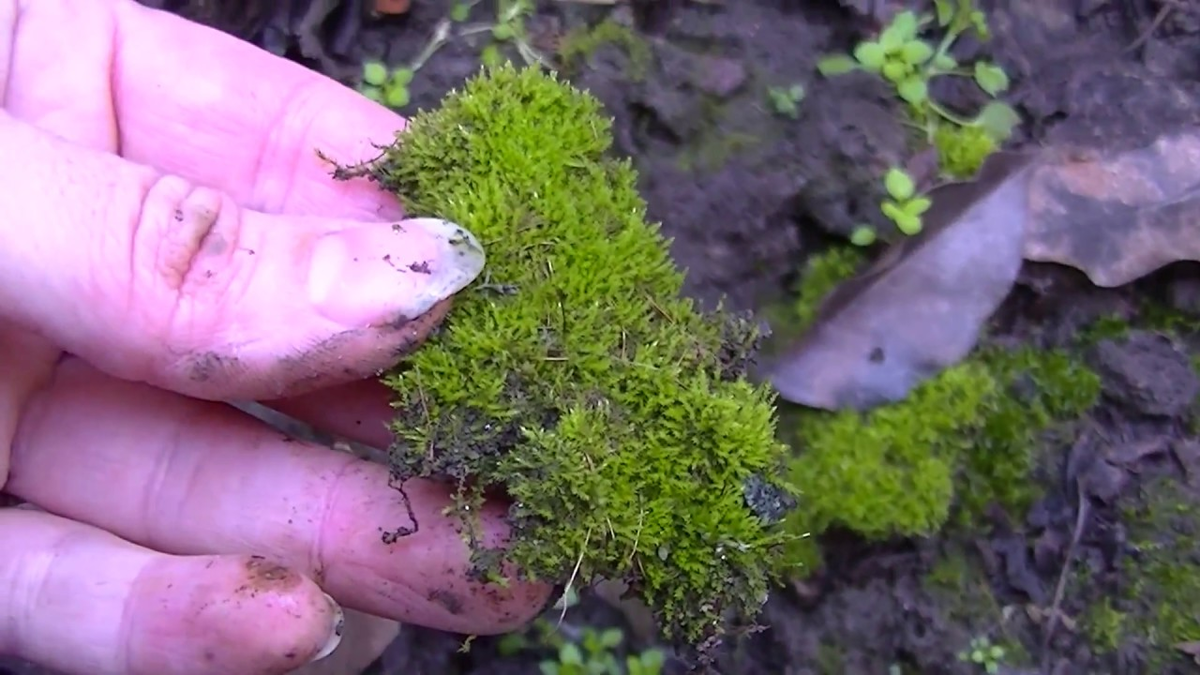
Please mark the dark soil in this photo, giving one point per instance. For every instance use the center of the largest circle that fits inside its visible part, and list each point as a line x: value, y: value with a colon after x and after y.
x: 748, y: 193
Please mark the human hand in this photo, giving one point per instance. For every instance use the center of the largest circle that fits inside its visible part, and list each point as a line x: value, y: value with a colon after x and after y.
x: 170, y: 241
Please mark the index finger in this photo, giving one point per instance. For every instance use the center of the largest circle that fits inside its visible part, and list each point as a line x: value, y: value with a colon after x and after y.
x: 192, y: 101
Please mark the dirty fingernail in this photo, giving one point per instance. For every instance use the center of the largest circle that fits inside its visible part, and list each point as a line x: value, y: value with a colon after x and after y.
x: 383, y: 273
x: 338, y: 621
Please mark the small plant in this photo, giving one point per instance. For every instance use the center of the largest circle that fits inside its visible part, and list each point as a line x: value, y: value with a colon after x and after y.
x: 509, y: 28
x: 593, y: 655
x: 391, y: 86
x: 786, y: 100
x: 902, y: 57
x: 984, y: 654
x: 579, y: 651
x: 909, y: 62
x: 904, y: 206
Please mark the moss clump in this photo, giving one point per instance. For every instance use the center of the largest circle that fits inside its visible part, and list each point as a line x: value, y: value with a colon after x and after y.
x: 962, y: 149
x: 580, y: 44
x: 577, y: 378
x: 961, y: 442
x: 1155, y: 607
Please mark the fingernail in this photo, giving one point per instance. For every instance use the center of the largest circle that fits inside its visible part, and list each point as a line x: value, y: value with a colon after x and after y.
x: 335, y: 635
x: 376, y: 274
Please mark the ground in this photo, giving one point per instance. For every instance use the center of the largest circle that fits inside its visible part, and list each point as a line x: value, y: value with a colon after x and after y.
x: 1095, y: 572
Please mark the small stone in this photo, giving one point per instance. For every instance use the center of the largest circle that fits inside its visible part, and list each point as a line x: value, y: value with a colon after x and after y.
x: 1184, y: 295
x: 1146, y: 373
x: 720, y: 77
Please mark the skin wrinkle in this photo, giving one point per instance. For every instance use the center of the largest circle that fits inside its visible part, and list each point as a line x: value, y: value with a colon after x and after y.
x: 10, y: 15
x: 263, y: 194
x: 318, y: 561
x: 163, y: 482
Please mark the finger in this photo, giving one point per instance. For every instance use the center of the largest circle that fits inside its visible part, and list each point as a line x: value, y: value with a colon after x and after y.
x: 364, y: 639
x: 220, y: 112
x: 80, y: 600
x: 185, y: 476
x: 37, y: 361
x: 358, y: 411
x: 157, y: 280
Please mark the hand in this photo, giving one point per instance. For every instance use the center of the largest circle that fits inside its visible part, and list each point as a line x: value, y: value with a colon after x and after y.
x: 169, y: 241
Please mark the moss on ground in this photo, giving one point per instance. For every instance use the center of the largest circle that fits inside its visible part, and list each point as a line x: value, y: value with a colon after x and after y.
x: 962, y: 441
x: 580, y: 44
x: 576, y: 377
x: 1155, y: 610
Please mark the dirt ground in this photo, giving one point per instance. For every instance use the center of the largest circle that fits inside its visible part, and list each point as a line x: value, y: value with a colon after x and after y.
x: 1097, y: 576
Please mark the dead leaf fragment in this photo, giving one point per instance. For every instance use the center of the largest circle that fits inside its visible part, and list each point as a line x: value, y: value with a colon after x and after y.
x: 1191, y: 648
x: 1117, y: 216
x: 920, y: 308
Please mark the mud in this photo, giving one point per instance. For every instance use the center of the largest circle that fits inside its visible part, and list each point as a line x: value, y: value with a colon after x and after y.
x: 747, y: 192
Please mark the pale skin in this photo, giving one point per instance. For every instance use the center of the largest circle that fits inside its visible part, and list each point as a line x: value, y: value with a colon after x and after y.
x: 169, y: 240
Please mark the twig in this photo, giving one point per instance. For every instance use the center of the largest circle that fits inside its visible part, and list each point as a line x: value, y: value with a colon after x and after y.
x: 1159, y: 18
x: 1055, y: 607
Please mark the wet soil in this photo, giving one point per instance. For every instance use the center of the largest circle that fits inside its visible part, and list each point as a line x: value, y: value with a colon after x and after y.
x: 747, y: 192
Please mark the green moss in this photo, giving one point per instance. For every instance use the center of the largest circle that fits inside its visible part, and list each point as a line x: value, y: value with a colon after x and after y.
x: 613, y: 412
x: 713, y: 147
x: 889, y: 471
x: 962, y: 149
x: 1156, y: 607
x: 580, y: 44
x: 961, y: 442
x: 831, y: 659
x: 1148, y: 314
x: 1104, y: 626
x: 822, y: 274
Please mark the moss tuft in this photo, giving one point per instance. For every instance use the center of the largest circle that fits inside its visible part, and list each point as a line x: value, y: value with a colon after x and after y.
x: 580, y: 44
x: 613, y: 412
x: 1154, y: 609
x: 962, y: 441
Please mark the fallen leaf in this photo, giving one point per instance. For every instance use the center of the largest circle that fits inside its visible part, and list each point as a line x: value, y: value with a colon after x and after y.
x: 918, y: 309
x: 1117, y: 216
x: 1191, y: 648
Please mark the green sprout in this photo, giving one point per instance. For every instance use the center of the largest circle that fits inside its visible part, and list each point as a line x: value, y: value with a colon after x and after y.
x: 786, y: 100
x: 863, y: 235
x: 904, y: 205
x: 509, y: 28
x: 907, y: 61
x: 389, y: 87
x: 984, y: 654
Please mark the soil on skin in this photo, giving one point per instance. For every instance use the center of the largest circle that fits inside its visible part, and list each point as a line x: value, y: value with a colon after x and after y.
x: 747, y: 193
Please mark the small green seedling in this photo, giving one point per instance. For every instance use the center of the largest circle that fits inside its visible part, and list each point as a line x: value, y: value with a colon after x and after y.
x: 905, y: 206
x: 863, y: 235
x: 387, y: 87
x: 509, y: 28
x: 984, y: 654
x: 902, y: 57
x: 786, y: 100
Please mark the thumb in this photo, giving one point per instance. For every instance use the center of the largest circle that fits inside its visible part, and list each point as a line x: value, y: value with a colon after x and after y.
x: 153, y: 279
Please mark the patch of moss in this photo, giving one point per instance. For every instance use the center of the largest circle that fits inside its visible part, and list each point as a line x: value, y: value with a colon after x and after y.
x: 1150, y: 315
x: 613, y: 412
x: 1104, y: 626
x: 580, y: 44
x: 961, y: 442
x: 962, y: 149
x: 1156, y: 607
x: 822, y: 274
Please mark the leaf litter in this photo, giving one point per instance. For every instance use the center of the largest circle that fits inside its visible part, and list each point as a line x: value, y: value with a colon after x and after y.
x: 1116, y: 215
